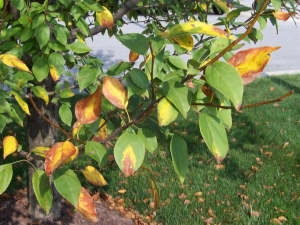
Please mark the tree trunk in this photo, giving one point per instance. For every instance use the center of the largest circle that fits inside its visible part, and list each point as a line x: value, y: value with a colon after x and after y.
x: 41, y: 133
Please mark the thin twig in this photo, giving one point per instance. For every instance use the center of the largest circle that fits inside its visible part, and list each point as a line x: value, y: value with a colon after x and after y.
x: 247, y: 106
x: 51, y: 123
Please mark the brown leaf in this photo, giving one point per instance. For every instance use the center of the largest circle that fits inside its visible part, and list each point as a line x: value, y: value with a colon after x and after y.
x: 133, y: 56
x: 198, y: 194
x: 219, y: 167
x: 282, y: 218
x: 251, y: 62
x: 209, y: 220
x: 182, y: 196
x: 115, y: 92
x: 211, y: 213
x: 275, y: 221
x: 280, y: 15
x: 187, y: 202
x: 88, y: 110
x: 122, y: 191
x: 285, y: 144
x: 254, y: 214
x: 86, y: 205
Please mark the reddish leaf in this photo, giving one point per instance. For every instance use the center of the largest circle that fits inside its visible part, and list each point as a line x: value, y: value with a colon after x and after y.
x: 251, y: 62
x: 86, y: 205
x: 57, y: 155
x: 105, y: 18
x: 88, y: 110
x: 115, y: 92
x: 133, y: 56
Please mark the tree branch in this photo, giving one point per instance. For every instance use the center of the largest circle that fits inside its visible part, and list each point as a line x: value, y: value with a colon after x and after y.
x: 130, y: 4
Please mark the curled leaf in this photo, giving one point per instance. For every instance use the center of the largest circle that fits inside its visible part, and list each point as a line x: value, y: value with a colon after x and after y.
x: 86, y: 205
x: 251, y: 62
x: 133, y: 56
x: 88, y: 110
x: 57, y: 155
x: 10, y: 145
x: 13, y: 61
x: 115, y: 92
x: 105, y: 18
x: 280, y: 15
x: 94, y: 176
x: 21, y: 102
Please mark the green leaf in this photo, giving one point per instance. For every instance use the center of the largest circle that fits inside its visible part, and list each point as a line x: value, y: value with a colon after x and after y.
x: 42, y: 35
x: 135, y: 42
x: 166, y: 112
x: 42, y: 189
x: 179, y: 154
x: 79, y: 47
x: 26, y: 34
x: 148, y: 138
x: 66, y: 3
x: 66, y: 93
x: 7, y: 33
x: 218, y: 45
x: 37, y: 20
x: 61, y: 33
x: 178, y: 62
x: 2, y: 123
x: 87, y: 75
x: 276, y: 4
x: 83, y: 26
x: 65, y: 114
x: 67, y: 184
x: 5, y: 106
x: 19, y: 4
x: 17, y: 114
x: 77, y: 12
x: 97, y: 152
x: 158, y: 65
x: 178, y: 94
x: 90, y: 5
x: 58, y: 61
x: 214, y: 134
x: 57, y: 46
x: 132, y: 88
x: 140, y: 78
x: 119, y: 68
x: 129, y: 152
x: 262, y: 22
x: 40, y: 68
x: 226, y: 79
x: 6, y: 172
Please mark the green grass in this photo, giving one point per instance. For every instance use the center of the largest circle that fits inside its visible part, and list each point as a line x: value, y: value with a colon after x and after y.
x: 260, y: 174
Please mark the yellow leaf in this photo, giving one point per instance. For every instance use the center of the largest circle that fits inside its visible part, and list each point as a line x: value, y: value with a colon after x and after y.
x: 13, y: 61
x: 251, y: 62
x: 59, y: 153
x: 128, y: 161
x: 197, y: 27
x: 184, y: 41
x: 94, y: 176
x: 133, y: 56
x: 21, y: 102
x: 54, y: 74
x: 41, y: 93
x: 105, y: 18
x: 40, y: 150
x: 70, y: 159
x: 76, y: 128
x: 115, y: 92
x: 86, y: 205
x: 166, y: 112
x: 88, y: 110
x: 102, y: 133
x: 10, y: 145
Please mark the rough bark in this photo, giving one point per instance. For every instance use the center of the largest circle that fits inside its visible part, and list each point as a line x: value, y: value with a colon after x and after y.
x: 40, y: 133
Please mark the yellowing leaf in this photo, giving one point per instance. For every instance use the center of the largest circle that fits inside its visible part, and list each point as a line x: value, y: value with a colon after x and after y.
x: 70, y: 159
x: 10, y: 145
x: 94, y: 176
x: 251, y: 62
x: 21, y: 102
x: 55, y: 156
x: 88, y: 110
x: 105, y: 18
x: 133, y: 56
x: 280, y: 15
x: 128, y: 161
x: 80, y: 37
x: 76, y: 128
x: 40, y: 150
x: 41, y: 93
x: 166, y: 112
x: 115, y: 92
x: 197, y: 27
x: 102, y: 133
x: 184, y: 41
x: 86, y: 205
x: 13, y: 61
x: 54, y: 74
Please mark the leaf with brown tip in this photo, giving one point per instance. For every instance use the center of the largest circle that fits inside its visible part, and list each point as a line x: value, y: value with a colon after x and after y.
x: 86, y: 205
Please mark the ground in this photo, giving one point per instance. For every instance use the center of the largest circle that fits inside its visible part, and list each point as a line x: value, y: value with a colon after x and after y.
x: 13, y: 211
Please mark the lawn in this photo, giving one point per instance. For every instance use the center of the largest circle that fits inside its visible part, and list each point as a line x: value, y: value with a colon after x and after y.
x: 258, y: 181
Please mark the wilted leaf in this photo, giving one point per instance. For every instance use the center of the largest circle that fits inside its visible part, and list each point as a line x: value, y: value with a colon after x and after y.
x: 280, y: 15
x: 86, y: 205
x: 197, y: 27
x: 251, y: 62
x: 55, y: 156
x: 105, y: 18
x: 155, y: 192
x: 10, y: 145
x: 94, y: 176
x: 102, y: 132
x: 13, y: 61
x: 21, y: 102
x: 115, y: 92
x: 166, y: 112
x: 88, y: 110
x: 184, y: 41
x: 133, y: 56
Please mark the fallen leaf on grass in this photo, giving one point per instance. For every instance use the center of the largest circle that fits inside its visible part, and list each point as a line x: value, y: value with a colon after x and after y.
x: 200, y: 200
x: 122, y: 191
x: 282, y: 218
x: 285, y: 144
x: 211, y: 213
x: 209, y: 220
x: 275, y: 221
x: 272, y: 88
x: 182, y: 196
x: 187, y: 202
x: 254, y: 214
x: 198, y: 194
x: 219, y: 167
